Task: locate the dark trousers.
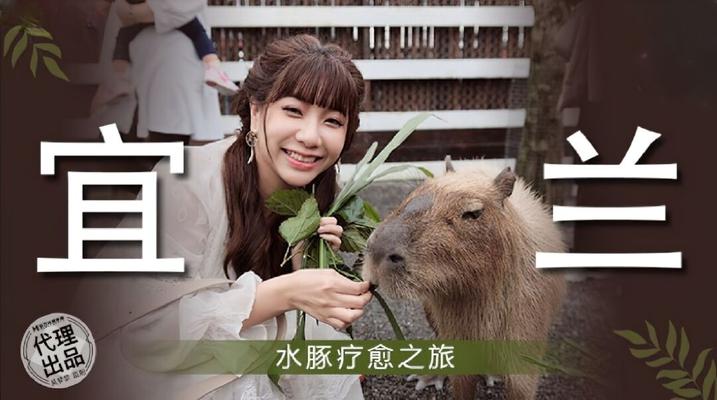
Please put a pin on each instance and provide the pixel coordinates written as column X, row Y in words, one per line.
column 192, row 29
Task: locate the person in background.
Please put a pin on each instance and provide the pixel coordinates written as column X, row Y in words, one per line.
column 214, row 76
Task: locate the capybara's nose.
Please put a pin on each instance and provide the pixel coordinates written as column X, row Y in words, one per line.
column 384, row 253
column 387, row 244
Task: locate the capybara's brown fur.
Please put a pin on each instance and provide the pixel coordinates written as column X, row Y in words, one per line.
column 464, row 244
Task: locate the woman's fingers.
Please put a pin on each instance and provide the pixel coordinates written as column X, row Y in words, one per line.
column 352, row 301
column 347, row 286
column 340, row 317
column 334, row 241
column 328, row 221
column 346, row 315
column 331, row 227
column 331, row 231
column 336, row 323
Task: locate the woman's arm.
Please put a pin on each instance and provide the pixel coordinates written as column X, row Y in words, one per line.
column 269, row 302
column 322, row 293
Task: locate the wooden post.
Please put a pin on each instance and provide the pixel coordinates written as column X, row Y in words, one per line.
column 543, row 138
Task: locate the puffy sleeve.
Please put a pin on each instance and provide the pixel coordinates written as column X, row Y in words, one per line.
column 190, row 230
column 220, row 314
column 171, row 14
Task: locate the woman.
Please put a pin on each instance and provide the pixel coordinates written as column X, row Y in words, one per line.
column 299, row 109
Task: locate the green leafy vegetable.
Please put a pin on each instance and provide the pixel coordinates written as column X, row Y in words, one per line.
column 287, row 202
column 303, row 225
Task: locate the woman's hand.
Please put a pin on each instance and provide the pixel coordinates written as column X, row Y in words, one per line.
column 328, row 296
column 331, row 231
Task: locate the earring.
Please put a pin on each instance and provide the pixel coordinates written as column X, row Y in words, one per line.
column 250, row 139
column 337, row 166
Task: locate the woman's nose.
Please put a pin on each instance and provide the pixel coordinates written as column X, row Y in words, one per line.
column 309, row 134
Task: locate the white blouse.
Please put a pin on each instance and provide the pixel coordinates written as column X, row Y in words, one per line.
column 193, row 224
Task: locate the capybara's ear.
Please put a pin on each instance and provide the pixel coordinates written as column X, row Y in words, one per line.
column 449, row 164
column 504, row 182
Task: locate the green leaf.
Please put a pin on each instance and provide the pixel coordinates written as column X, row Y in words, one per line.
column 653, row 334
column 33, row 62
column 287, row 202
column 54, row 69
column 687, row 393
column 391, row 318
column 39, row 32
column 709, row 382
column 677, row 384
column 659, row 362
column 700, row 363
column 366, row 225
column 300, row 326
column 370, row 212
column 643, row 353
column 9, row 38
column 347, row 191
column 303, row 225
column 396, row 141
column 312, row 254
column 671, row 374
column 684, row 347
column 581, row 348
column 19, row 49
column 398, row 168
column 671, row 340
column 353, row 240
column 426, row 171
column 546, row 366
column 632, row 336
column 50, row 48
column 362, row 178
column 274, row 378
column 364, row 160
column 349, row 273
column 333, row 256
column 352, row 210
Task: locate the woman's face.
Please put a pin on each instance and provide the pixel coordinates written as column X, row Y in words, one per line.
column 302, row 140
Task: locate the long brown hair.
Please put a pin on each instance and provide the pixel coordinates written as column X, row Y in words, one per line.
column 301, row 67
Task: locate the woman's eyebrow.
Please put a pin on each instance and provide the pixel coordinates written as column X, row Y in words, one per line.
column 330, row 111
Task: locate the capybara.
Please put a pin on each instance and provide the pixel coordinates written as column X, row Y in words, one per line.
column 464, row 244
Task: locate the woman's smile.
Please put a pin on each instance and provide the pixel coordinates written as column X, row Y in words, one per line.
column 302, row 161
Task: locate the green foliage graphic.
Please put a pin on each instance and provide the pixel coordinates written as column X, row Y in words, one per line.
column 671, row 359
column 29, row 33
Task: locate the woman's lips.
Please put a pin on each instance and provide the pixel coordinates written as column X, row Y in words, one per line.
column 300, row 161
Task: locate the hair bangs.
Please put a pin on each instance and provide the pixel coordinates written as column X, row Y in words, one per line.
column 318, row 80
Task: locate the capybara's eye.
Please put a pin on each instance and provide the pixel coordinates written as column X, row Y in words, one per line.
column 475, row 214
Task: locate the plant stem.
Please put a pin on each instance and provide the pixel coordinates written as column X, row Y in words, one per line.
column 322, row 254
column 391, row 318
